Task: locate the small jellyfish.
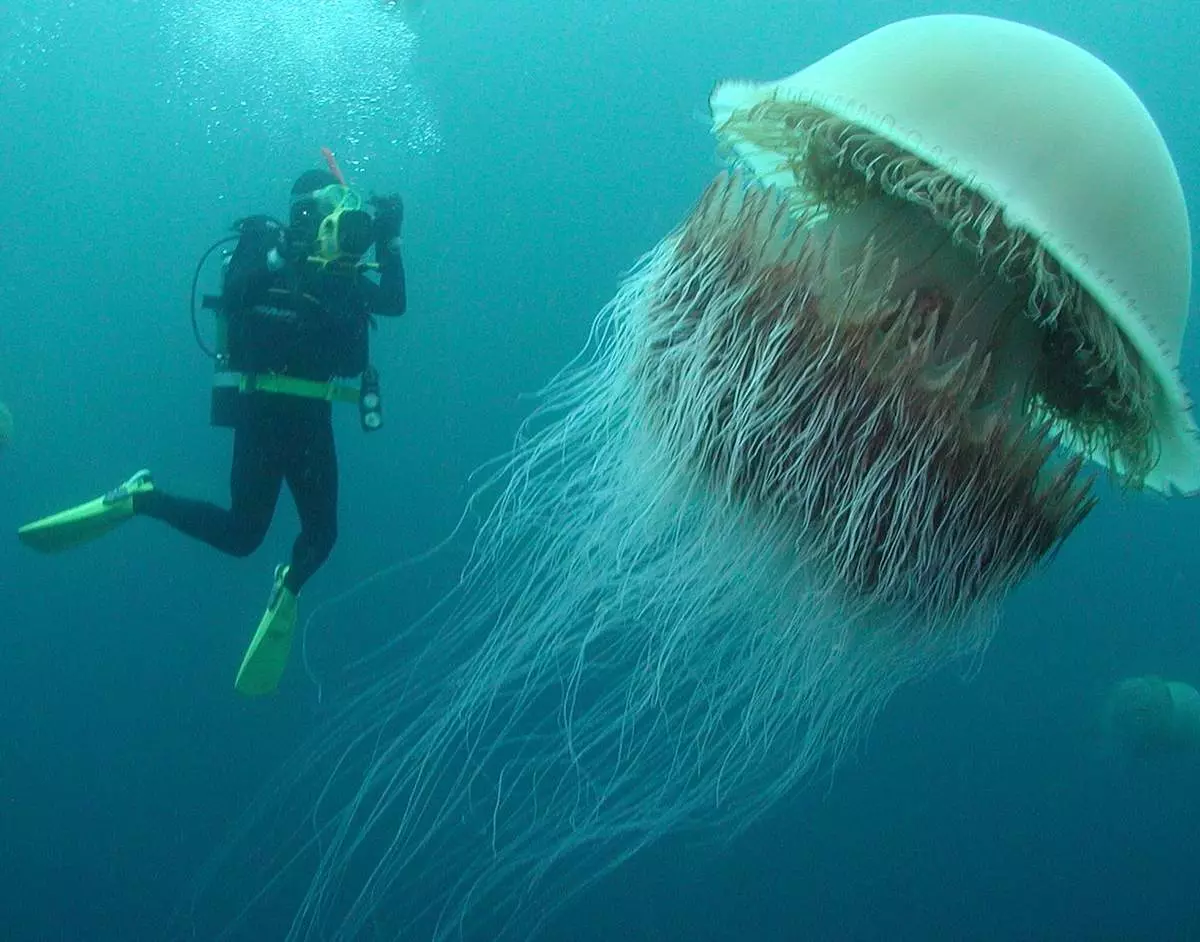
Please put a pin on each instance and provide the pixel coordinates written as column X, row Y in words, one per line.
column 1150, row 716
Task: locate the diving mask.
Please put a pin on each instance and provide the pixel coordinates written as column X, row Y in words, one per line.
column 345, row 231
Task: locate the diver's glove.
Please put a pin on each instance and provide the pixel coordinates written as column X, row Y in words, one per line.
column 389, row 217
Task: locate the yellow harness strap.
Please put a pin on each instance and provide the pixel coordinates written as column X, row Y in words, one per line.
column 292, row 386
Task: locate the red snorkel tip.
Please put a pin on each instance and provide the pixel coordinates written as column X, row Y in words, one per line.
column 333, row 165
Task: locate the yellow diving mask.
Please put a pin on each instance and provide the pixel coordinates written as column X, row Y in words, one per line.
column 346, row 231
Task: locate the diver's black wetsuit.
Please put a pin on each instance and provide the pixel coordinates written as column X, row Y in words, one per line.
column 305, row 322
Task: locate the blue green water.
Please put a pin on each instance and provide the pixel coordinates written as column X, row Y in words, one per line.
column 540, row 149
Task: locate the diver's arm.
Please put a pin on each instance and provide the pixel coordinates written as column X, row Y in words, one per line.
column 390, row 298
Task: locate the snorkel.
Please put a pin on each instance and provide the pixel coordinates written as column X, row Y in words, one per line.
column 331, row 162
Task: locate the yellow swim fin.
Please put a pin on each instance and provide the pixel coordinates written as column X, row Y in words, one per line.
column 88, row 521
column 267, row 657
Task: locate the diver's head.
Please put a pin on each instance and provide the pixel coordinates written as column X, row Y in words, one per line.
column 327, row 219
column 307, row 209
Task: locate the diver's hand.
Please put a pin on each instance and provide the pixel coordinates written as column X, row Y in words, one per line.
column 389, row 217
column 390, row 208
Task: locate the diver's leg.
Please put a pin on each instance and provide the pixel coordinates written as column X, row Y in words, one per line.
column 310, row 467
column 312, row 477
column 254, row 484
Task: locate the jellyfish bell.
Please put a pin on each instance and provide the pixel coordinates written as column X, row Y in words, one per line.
column 1013, row 175
column 821, row 431
column 1149, row 716
column 1041, row 162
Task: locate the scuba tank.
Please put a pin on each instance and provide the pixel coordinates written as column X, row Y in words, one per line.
column 223, row 399
column 226, row 386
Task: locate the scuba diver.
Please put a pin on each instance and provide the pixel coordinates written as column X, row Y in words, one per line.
column 293, row 318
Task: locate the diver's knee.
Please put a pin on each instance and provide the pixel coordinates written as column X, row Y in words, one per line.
column 245, row 540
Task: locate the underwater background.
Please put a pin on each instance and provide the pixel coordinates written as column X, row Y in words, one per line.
column 541, row 148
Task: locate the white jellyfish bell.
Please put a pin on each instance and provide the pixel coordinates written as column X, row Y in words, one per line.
column 822, row 430
column 1040, row 162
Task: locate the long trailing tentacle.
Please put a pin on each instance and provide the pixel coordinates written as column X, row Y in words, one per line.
column 727, row 535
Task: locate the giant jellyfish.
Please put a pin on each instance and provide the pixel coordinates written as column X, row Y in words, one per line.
column 820, row 432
